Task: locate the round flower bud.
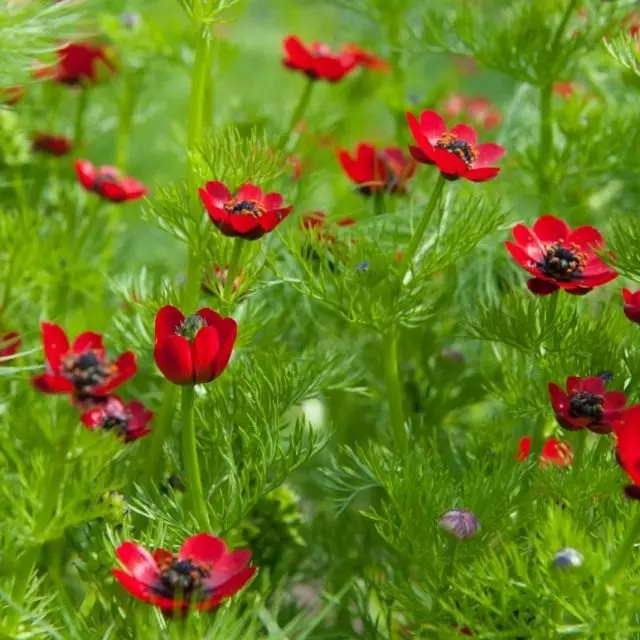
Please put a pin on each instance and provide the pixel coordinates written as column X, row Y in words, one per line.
column 459, row 523
column 568, row 558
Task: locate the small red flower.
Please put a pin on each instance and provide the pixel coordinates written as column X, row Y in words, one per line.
column 78, row 63
column 586, row 404
column 296, row 165
column 318, row 221
column 193, row 350
column 627, row 431
column 564, row 89
column 454, row 152
column 317, row 61
column 480, row 110
column 376, row 170
column 51, row 144
column 81, row 369
column 560, row 258
column 366, row 59
column 554, row 451
column 201, row 575
column 11, row 95
column 215, row 279
column 108, row 183
column 632, row 305
column 9, row 344
column 128, row 422
column 250, row 214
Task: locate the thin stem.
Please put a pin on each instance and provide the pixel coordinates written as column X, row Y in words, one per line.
column 378, row 203
column 564, row 21
column 546, row 145
column 125, row 121
column 300, row 110
column 78, row 128
column 622, row 556
column 394, row 386
column 580, row 450
column 18, row 186
column 238, row 246
column 190, row 458
column 397, row 70
column 161, row 428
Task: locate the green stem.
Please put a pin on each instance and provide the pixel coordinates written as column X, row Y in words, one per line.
column 190, row 458
column 622, row 556
column 378, row 203
column 546, row 145
column 564, row 21
column 78, row 128
column 300, row 110
column 161, row 428
column 394, row 387
column 398, row 71
column 232, row 270
column 580, row 449
column 125, row 122
column 18, row 186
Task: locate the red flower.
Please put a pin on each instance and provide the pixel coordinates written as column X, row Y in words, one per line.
column 249, row 214
column 129, row 422
column 215, row 279
column 11, row 95
column 9, row 344
column 554, row 451
column 627, row 432
column 480, row 110
column 296, row 165
column 316, row 61
column 454, row 152
column 201, row 575
column 78, row 63
column 560, row 258
column 193, row 350
column 563, row 89
column 632, row 305
column 366, row 59
column 375, row 170
column 81, row 369
column 586, row 404
column 51, row 144
column 318, row 220
column 108, row 183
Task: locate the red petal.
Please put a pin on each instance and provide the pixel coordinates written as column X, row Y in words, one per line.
column 551, row 230
column 244, row 226
column 138, row 562
column 204, row 350
column 218, row 192
column 594, row 385
column 449, row 163
column 227, row 567
column 272, row 201
column 126, row 368
column 86, row 173
column 541, row 287
column 168, row 319
column 574, row 385
column 55, row 343
column 228, row 589
column 488, row 153
column 270, row 220
column 586, row 238
column 627, row 296
column 88, row 340
column 420, row 136
column 559, row 399
column 173, row 356
column 133, row 189
column 528, row 241
column 93, row 418
column 481, row 175
column 48, row 383
column 521, row 257
column 203, row 548
column 524, row 448
column 249, row 191
column 419, row 155
column 614, row 400
column 136, row 588
column 297, row 52
column 432, row 125
column 227, row 333
column 112, row 191
column 466, row 133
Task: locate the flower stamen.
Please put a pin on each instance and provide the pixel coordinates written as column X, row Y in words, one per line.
column 562, row 263
column 245, row 207
column 586, row 405
column 190, row 326
column 461, row 148
column 87, row 369
column 181, row 577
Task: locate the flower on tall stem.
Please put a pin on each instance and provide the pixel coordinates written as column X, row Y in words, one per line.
column 632, row 305
column 128, row 422
column 560, row 258
column 384, row 170
column 108, row 183
column 554, row 451
column 586, row 404
column 627, row 432
column 200, row 576
column 81, row 369
column 317, row 61
column 478, row 109
column 78, row 63
column 51, row 144
column 454, row 152
column 10, row 342
column 250, row 214
column 195, row 349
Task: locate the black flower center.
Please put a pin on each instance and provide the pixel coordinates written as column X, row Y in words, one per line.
column 182, row 578
column 459, row 147
column 105, row 175
column 87, row 369
column 116, row 422
column 190, row 326
column 561, row 263
column 245, row 207
column 586, row 405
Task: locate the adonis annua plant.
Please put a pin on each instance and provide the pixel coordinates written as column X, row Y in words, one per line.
column 319, row 321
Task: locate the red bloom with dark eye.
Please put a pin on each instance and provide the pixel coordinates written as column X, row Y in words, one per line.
column 200, row 576
column 377, row 170
column 554, row 451
column 193, row 350
column 9, row 344
column 250, row 214
column 560, row 258
column 81, row 369
column 366, row 59
column 631, row 305
column 11, row 95
column 53, row 145
column 108, row 183
column 128, row 422
column 586, row 404
column 627, row 431
column 455, row 152
column 78, row 63
column 317, row 61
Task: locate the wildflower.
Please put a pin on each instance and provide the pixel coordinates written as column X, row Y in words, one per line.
column 51, row 144
column 128, row 422
column 108, row 183
column 78, row 63
column 560, row 258
column 377, row 170
column 564, row 89
column 455, row 152
column 318, row 220
column 627, row 431
column 367, row 59
column 568, row 558
column 201, row 575
column 296, row 165
column 215, row 279
column 480, row 110
column 81, row 369
column 554, row 451
column 586, row 404
column 11, row 95
column 9, row 344
column 193, row 350
column 250, row 214
column 459, row 523
column 317, row 61
column 631, row 305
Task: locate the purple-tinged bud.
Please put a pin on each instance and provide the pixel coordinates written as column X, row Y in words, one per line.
column 130, row 20
column 459, row 523
column 568, row 558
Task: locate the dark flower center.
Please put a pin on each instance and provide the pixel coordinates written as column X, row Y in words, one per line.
column 182, row 578
column 190, row 326
column 461, row 148
column 245, row 207
column 561, row 263
column 586, row 405
column 87, row 369
column 105, row 175
column 117, row 422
